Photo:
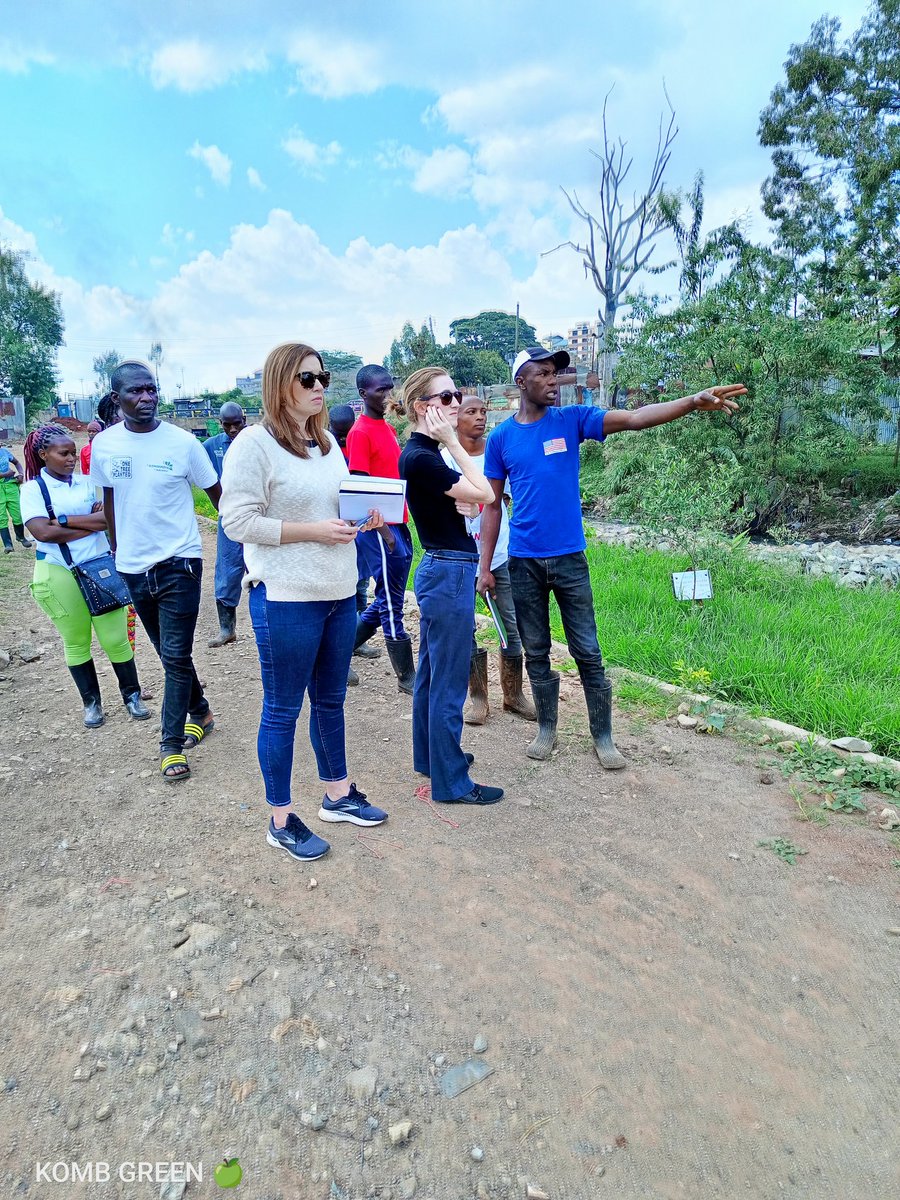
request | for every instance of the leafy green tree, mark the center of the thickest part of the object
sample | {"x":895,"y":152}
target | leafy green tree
{"x":466,"y":365}
{"x":800,"y":371}
{"x":104,"y":365}
{"x":493,"y":330}
{"x":834,"y":193}
{"x":340,"y":360}
{"x":699,"y":255}
{"x":31,"y":332}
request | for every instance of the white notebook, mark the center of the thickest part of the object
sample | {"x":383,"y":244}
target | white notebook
{"x":359,"y":493}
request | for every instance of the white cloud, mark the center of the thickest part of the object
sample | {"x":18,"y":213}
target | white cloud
{"x":332,"y":67}
{"x":216,"y":162}
{"x":16,"y":59}
{"x":445,"y":172}
{"x":192,"y":65}
{"x":308,"y":155}
{"x":219,"y":315}
{"x":255,"y":179}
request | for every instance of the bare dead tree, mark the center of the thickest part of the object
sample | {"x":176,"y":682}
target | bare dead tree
{"x":620,"y":242}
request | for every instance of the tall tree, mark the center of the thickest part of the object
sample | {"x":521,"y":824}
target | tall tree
{"x":31,"y":332}
{"x":104,"y":365}
{"x":700,"y":255}
{"x":834,"y":129}
{"x":156,"y":357}
{"x":620,"y":241}
{"x":340,"y":360}
{"x":493,"y":330}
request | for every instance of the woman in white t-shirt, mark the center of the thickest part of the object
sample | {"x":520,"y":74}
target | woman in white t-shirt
{"x":280,"y":485}
{"x":78,"y":523}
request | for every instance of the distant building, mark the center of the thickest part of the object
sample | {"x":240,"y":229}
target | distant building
{"x":554,"y":342}
{"x":250,"y":385}
{"x":582,"y":342}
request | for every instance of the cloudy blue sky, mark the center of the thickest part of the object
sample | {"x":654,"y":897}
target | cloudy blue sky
{"x":225,"y":176}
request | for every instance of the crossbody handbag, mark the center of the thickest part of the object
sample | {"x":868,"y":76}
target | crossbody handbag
{"x":102,"y":586}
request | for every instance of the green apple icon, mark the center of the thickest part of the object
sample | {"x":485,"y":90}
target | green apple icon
{"x":228,"y":1174}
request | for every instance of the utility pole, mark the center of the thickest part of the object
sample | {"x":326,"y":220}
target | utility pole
{"x":516,"y":351}
{"x":431,"y":327}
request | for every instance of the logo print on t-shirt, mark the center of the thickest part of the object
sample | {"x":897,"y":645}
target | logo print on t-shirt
{"x":120,"y":468}
{"x":555,"y":446}
{"x":165,"y":465}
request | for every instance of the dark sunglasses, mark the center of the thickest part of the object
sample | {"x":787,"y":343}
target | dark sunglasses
{"x":308,"y":379}
{"x":445,"y":397}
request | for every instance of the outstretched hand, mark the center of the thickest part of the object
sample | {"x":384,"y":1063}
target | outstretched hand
{"x":720,"y":398}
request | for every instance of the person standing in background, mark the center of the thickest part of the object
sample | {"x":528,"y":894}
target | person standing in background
{"x":229,"y":554}
{"x":84,"y":458}
{"x":374,"y":450}
{"x":10,"y":481}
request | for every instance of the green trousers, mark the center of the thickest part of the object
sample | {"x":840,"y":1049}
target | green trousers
{"x":57,"y":594}
{"x":9,"y":503}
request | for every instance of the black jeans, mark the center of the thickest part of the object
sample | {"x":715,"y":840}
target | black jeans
{"x":565,"y":577}
{"x":167,"y":600}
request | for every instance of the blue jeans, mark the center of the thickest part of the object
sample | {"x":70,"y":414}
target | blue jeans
{"x":303,"y":646}
{"x":507,"y":610}
{"x":566,"y":577}
{"x":229,"y":568}
{"x":445,"y":590}
{"x":167,"y":600}
{"x":386,"y":609}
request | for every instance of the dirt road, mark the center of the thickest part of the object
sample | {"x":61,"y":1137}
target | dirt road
{"x":669,"y":1010}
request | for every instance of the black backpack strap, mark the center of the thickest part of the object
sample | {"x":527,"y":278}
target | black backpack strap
{"x":63,"y":548}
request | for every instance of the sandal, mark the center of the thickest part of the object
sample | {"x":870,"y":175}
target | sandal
{"x":168,"y":765}
{"x":194,"y":733}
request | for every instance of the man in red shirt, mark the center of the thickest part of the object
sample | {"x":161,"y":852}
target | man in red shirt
{"x":374,"y":450}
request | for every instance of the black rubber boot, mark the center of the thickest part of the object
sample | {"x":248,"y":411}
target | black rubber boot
{"x":363,"y":633}
{"x":599,"y":706}
{"x":546,"y":703}
{"x":401,"y":655}
{"x":227,"y":626}
{"x":478,"y":709}
{"x":85,"y":676}
{"x":23,"y":536}
{"x":352,"y":678}
{"x":129,"y":686}
{"x":7,"y":540}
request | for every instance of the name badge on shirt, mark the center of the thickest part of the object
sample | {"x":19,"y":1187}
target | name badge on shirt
{"x":555,"y":446}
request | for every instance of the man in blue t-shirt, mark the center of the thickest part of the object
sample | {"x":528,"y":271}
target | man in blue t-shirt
{"x":229,"y":554}
{"x":537,"y":451}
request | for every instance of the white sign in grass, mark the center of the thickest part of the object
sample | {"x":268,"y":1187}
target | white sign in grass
{"x":692,"y":585}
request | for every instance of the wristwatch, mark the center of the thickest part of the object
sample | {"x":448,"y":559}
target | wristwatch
{"x":62,"y":519}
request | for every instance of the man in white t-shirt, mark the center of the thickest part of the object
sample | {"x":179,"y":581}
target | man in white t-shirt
{"x":471,"y":423}
{"x":146,"y":468}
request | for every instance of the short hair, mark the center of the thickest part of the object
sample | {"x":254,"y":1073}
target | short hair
{"x":366,"y":375}
{"x":126,"y":368}
{"x":230,"y":404}
{"x":280,"y":369}
{"x":416,"y":388}
{"x":341,"y":412}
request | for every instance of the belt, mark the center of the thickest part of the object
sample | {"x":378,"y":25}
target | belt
{"x":454,"y":555}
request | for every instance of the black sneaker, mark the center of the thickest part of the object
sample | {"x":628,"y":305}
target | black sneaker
{"x":480,"y":794}
{"x":299,"y":842}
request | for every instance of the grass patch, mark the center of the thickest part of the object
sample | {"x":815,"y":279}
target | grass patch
{"x":635,"y":695}
{"x":203,"y":506}
{"x":798,"y":649}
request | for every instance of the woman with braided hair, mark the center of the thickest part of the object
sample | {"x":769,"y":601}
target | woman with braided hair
{"x":78,"y":523}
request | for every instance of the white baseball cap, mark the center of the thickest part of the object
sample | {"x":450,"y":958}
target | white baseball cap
{"x":560,"y":358}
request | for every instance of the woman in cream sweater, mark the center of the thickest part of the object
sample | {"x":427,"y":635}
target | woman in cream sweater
{"x":280,"y":483}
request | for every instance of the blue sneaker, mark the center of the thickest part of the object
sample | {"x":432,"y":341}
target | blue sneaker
{"x":300,"y":843}
{"x":352,"y":808}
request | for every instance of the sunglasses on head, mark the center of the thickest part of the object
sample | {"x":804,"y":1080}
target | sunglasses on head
{"x":445,"y":397}
{"x":308,"y":379}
